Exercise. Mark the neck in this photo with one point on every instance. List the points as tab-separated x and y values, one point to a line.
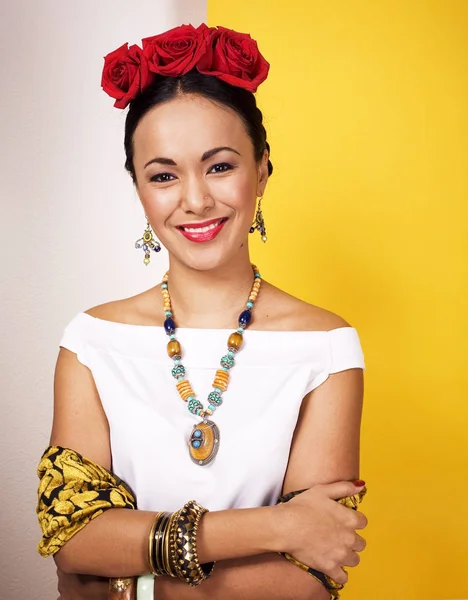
210	299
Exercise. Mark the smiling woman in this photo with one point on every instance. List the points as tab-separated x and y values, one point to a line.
291	373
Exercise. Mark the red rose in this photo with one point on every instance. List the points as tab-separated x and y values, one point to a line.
175	52
125	74
235	58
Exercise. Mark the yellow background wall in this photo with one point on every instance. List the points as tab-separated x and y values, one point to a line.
367	215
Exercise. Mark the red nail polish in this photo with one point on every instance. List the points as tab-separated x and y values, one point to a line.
359	483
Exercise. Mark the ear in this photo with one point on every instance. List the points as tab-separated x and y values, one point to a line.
262	174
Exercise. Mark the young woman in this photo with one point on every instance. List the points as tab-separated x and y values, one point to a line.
284	406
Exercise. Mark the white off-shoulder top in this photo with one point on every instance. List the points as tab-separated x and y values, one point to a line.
150	425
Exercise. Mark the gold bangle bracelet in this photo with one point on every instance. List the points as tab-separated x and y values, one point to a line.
166	547
173	555
150	542
158	540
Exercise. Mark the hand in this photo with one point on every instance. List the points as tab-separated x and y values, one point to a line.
81	587
320	532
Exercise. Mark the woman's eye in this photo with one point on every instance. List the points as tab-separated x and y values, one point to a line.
221	168
162	177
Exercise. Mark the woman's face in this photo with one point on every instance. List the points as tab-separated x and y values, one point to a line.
198	180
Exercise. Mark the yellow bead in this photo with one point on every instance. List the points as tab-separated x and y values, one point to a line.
221	380
235	341
174	349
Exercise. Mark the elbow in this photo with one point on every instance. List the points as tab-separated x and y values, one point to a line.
63	561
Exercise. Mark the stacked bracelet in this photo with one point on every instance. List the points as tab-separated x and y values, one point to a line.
184	545
172	545
331	586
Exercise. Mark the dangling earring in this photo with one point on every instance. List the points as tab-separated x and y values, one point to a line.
259	223
148	242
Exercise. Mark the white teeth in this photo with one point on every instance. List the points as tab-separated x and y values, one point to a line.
202	229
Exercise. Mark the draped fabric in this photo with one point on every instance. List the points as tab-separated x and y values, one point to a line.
72	491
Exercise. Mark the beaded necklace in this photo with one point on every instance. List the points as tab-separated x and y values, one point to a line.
204	439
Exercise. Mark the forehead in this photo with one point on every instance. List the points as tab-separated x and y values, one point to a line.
188	125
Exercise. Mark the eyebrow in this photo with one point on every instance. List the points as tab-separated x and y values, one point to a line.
205	156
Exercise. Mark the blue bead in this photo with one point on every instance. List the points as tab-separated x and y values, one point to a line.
196	443
244	318
250	304
197	433
211	407
168	313
257	275
225	369
169	326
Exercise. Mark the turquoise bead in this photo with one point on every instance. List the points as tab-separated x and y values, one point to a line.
227	361
215	398
194	406
250	304
257	275
240	330
218	391
211	407
164	286
178	371
196	443
168	313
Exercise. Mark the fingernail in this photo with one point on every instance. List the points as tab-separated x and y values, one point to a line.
359	483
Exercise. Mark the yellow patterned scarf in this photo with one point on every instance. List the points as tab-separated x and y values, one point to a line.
72	491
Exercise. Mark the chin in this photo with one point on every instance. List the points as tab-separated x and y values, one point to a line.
206	258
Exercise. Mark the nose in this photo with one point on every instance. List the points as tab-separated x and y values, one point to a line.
196	197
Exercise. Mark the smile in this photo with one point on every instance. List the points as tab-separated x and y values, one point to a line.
202	232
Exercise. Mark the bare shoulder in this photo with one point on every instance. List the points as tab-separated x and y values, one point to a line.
142	309
282	311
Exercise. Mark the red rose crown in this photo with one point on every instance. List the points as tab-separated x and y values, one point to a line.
231	56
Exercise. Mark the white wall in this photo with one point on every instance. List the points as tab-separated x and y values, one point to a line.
69	218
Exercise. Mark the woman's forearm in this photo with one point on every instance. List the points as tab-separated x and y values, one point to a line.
115	544
262	577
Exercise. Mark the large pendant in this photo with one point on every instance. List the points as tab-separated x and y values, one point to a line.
204	442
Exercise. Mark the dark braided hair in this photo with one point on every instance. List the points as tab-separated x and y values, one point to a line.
164	89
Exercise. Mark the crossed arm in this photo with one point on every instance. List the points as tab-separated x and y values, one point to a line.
325	449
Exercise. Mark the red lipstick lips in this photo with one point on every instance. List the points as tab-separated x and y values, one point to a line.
202	232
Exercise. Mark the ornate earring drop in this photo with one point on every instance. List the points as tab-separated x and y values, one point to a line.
148	242
259	223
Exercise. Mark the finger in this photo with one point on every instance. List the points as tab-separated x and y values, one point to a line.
352	559
341	489
359	543
361	520
339	575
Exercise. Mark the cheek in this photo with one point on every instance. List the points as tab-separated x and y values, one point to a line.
238	192
159	204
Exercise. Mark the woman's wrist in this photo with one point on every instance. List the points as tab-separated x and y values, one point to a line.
238	533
